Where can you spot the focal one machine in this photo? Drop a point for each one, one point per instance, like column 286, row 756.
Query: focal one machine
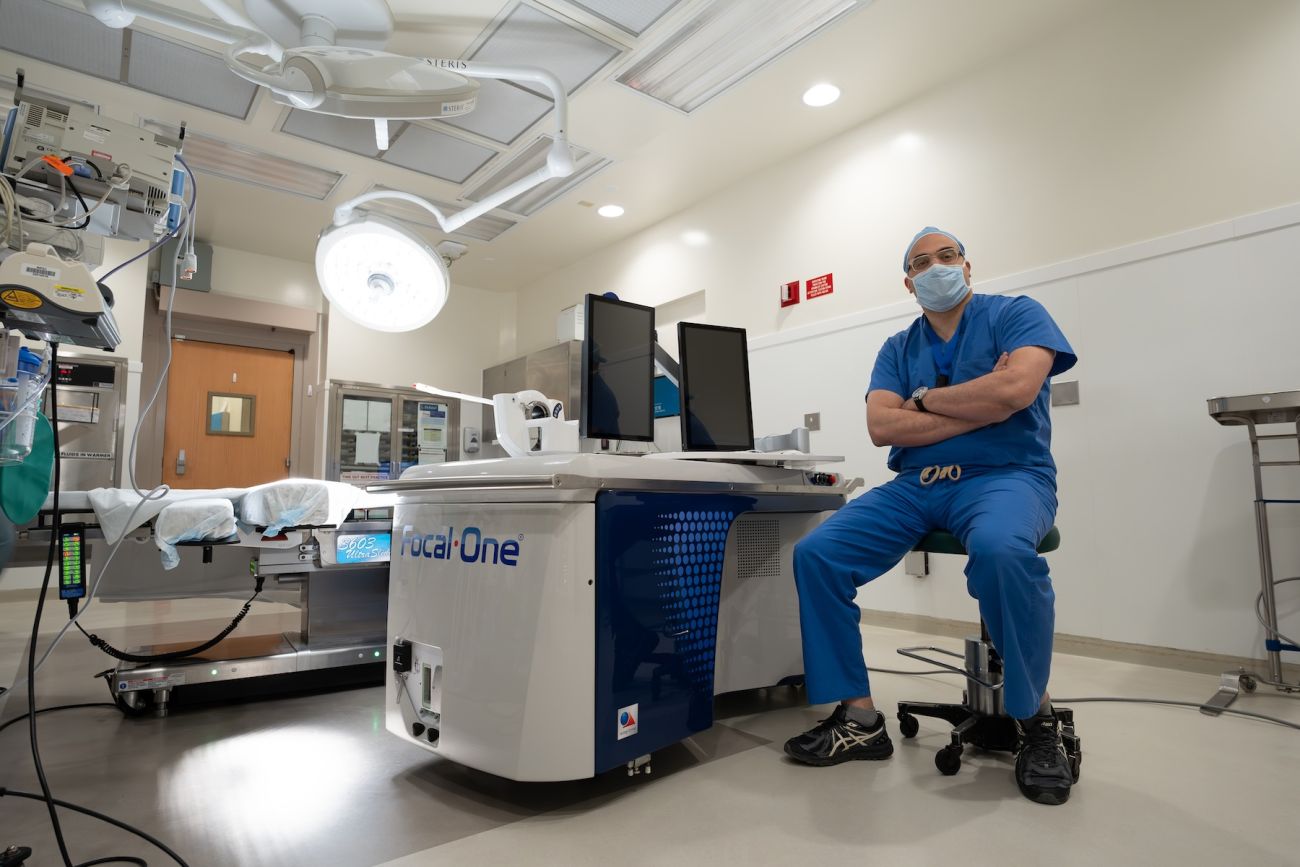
column 553, row 617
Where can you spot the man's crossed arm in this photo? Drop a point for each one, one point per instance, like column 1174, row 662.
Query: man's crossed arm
column 1012, row 385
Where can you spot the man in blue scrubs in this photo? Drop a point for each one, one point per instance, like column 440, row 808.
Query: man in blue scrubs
column 961, row 397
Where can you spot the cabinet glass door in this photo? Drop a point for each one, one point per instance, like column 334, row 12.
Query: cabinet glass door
column 424, row 432
column 366, row 439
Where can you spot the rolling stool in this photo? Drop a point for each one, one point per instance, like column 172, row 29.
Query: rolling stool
column 981, row 719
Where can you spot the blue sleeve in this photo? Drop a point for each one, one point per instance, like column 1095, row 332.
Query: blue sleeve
column 887, row 374
column 1025, row 322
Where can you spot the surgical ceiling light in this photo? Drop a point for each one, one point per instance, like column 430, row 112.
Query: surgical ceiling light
column 378, row 273
column 820, row 95
column 610, row 211
column 381, row 275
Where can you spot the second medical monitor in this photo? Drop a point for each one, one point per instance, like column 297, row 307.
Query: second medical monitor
column 717, row 414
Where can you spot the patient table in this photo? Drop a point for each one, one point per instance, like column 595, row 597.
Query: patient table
column 333, row 567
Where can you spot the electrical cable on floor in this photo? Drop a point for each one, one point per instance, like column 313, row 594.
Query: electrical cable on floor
column 4, row 725
column 46, row 794
column 67, row 805
column 112, row 651
column 1123, row 699
column 1198, row 705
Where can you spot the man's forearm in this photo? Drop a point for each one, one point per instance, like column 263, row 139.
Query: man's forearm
column 987, row 400
column 909, row 428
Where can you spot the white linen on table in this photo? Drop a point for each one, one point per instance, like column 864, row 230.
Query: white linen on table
column 113, row 507
column 297, row 503
column 208, row 519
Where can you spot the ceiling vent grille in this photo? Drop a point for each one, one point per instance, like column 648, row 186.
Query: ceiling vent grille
column 725, row 44
column 237, row 162
column 528, row 161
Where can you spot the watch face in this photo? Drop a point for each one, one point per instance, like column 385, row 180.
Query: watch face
column 920, row 392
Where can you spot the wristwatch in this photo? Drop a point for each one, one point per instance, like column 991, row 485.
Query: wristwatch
column 917, row 395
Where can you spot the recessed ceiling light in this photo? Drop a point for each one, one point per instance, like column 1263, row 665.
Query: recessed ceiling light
column 695, row 238
column 821, row 94
column 610, row 211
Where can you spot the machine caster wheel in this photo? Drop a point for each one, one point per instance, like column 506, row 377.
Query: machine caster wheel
column 908, row 725
column 948, row 760
column 1248, row 683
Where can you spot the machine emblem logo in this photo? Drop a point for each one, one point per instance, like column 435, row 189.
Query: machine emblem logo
column 470, row 545
column 627, row 720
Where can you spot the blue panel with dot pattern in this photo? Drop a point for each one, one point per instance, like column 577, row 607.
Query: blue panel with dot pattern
column 659, row 564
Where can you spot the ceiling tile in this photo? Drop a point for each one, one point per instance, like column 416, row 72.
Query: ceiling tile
column 65, row 37
column 189, row 75
column 530, row 37
column 633, row 16
column 435, row 153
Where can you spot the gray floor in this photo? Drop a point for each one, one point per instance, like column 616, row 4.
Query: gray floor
column 315, row 780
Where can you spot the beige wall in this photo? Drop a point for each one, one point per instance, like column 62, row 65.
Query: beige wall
column 1152, row 118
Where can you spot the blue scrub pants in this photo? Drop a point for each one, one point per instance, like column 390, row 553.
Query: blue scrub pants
column 1000, row 516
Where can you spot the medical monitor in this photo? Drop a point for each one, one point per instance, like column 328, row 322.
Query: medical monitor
column 716, row 411
column 618, row 357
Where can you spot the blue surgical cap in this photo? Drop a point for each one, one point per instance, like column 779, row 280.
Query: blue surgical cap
column 930, row 230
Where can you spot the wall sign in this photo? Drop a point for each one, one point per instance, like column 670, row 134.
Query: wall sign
column 819, row 286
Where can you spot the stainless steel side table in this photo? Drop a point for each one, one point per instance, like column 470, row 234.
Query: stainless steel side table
column 1254, row 411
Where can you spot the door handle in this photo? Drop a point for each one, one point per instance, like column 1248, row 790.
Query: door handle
column 180, row 463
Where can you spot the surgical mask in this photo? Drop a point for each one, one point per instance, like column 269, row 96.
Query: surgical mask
column 941, row 287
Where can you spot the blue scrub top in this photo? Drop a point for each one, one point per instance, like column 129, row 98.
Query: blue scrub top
column 990, row 325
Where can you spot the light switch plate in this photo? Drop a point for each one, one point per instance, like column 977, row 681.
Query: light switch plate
column 812, row 420
column 1065, row 393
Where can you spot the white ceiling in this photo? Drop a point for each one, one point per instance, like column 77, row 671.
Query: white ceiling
column 662, row 161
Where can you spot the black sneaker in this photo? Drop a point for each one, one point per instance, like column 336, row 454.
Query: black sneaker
column 1042, row 768
column 839, row 739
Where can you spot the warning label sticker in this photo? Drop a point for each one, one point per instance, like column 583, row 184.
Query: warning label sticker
column 69, row 293
column 21, row 299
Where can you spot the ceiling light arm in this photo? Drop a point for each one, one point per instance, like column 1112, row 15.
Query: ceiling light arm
column 559, row 159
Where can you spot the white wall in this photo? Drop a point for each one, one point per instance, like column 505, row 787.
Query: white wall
column 265, row 278
column 1151, row 118
column 1156, row 498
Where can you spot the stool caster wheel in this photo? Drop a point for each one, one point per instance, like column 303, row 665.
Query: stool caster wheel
column 1248, row 683
column 908, row 725
column 948, row 760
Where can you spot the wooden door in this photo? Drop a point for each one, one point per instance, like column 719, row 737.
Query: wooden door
column 230, row 409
